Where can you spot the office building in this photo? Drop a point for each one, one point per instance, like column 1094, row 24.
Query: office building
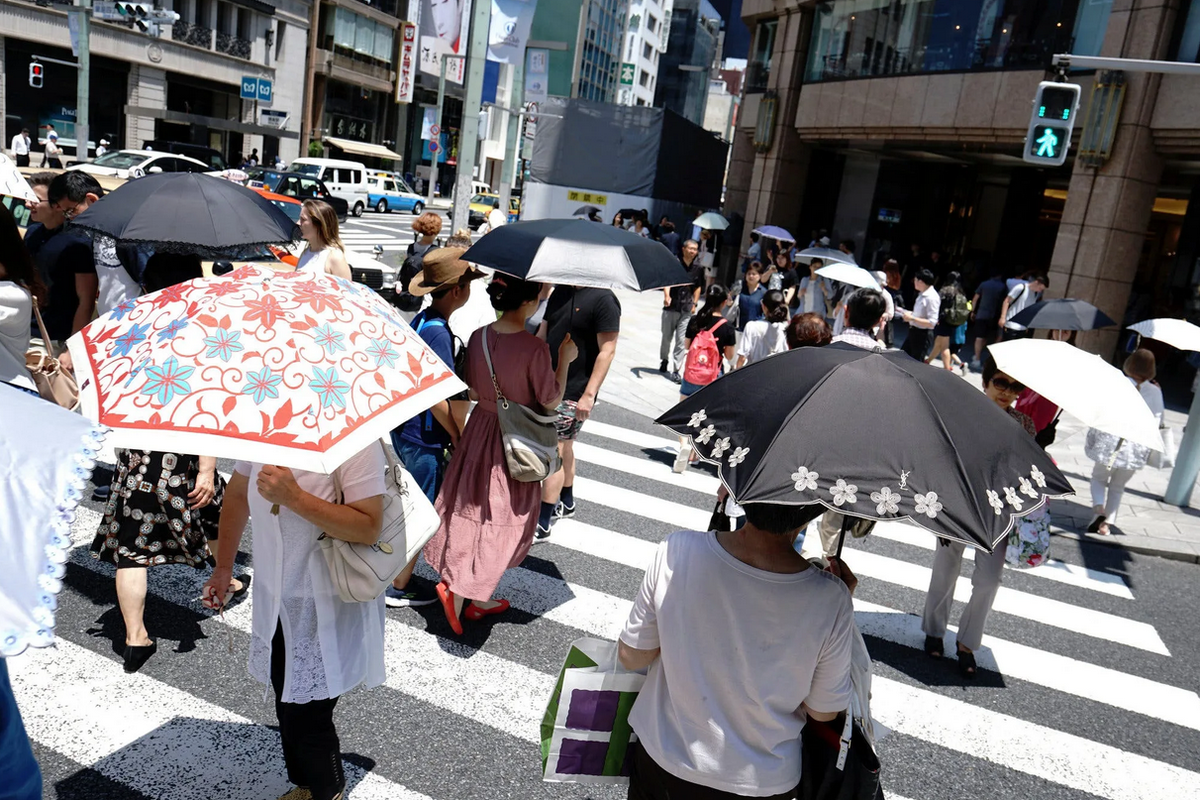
column 693, row 50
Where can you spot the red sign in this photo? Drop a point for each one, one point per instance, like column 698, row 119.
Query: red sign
column 407, row 63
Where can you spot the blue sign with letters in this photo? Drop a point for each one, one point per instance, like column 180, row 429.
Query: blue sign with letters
column 254, row 88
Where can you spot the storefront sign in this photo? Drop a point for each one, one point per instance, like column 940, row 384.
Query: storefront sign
column 255, row 88
column 587, row 197
column 627, row 73
column 537, row 71
column 407, row 72
column 509, row 29
column 345, row 127
column 270, row 118
column 891, row 215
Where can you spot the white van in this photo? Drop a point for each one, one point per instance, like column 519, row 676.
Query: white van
column 344, row 179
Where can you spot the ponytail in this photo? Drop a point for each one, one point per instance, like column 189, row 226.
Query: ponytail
column 713, row 299
column 774, row 306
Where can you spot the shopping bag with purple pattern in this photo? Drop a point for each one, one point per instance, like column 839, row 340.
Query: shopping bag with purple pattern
column 585, row 732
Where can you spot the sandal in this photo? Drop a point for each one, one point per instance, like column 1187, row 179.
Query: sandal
column 1094, row 526
column 1103, row 529
column 447, row 597
column 966, row 664
column 934, row 646
column 474, row 613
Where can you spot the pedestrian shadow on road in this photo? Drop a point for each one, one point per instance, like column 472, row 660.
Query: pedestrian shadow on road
column 928, row 671
column 189, row 758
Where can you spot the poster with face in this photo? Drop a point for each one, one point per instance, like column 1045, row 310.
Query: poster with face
column 444, row 26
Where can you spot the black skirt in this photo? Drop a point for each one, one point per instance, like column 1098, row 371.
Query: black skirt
column 147, row 520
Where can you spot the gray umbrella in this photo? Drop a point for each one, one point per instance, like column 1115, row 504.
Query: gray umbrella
column 826, row 254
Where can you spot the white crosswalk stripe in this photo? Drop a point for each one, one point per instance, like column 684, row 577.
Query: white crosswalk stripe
column 154, row 747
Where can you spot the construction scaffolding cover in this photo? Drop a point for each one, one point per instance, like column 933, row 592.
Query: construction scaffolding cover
column 633, row 150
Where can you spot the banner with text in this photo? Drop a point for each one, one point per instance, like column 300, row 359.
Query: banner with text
column 509, row 29
column 537, row 75
column 444, row 27
column 407, row 71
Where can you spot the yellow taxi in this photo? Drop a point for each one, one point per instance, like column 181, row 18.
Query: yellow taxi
column 481, row 206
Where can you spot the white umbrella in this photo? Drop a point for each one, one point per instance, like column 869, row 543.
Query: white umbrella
column 46, row 456
column 711, row 221
column 1082, row 384
column 826, row 254
column 1175, row 332
column 12, row 182
column 848, row 273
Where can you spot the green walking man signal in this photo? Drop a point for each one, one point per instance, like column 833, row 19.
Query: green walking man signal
column 1048, row 137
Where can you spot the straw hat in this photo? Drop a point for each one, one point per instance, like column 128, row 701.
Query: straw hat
column 441, row 269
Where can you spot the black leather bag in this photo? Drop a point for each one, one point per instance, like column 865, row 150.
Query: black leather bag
column 719, row 520
column 838, row 767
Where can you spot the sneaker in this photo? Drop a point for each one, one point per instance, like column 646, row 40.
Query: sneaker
column 563, row 511
column 408, row 597
column 662, row 366
column 976, row 366
column 101, row 494
column 541, row 534
column 675, row 378
column 682, row 459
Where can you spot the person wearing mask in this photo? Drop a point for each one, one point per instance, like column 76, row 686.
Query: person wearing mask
column 1003, row 390
column 711, row 722
column 985, row 314
column 163, row 508
column 749, row 300
column 669, row 237
column 924, row 316
column 305, row 643
column 1116, row 460
column 20, row 288
column 66, row 264
column 488, row 518
column 325, row 254
column 767, row 335
column 21, row 147
column 703, row 365
column 591, row 318
column 1019, row 298
column 421, row 442
column 678, row 302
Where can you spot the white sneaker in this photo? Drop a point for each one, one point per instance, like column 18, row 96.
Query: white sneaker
column 682, row 459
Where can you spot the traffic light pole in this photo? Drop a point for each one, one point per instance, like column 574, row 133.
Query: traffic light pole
column 435, row 155
column 468, row 136
column 83, row 79
column 512, row 139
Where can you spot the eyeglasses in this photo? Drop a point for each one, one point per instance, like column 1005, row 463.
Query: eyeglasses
column 1008, row 385
column 72, row 212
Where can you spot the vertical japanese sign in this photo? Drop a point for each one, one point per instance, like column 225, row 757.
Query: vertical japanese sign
column 408, row 63
column 509, row 29
column 444, row 28
column 537, row 74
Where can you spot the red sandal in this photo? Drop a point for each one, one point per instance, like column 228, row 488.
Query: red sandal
column 475, row 613
column 447, row 597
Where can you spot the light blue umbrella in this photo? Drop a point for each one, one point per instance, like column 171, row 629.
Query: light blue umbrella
column 775, row 232
column 711, row 221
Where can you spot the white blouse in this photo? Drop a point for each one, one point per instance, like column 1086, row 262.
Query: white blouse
column 314, row 262
column 332, row 646
column 16, row 311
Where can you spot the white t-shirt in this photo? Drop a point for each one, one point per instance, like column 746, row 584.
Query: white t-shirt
column 116, row 286
column 721, row 705
column 496, row 219
column 16, row 310
column 332, row 646
column 1019, row 298
column 761, row 339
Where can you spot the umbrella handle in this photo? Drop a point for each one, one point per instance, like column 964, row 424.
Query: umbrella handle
column 846, row 523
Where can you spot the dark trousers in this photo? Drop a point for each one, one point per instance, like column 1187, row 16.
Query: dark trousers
column 649, row 781
column 311, row 750
column 23, row 161
column 918, row 341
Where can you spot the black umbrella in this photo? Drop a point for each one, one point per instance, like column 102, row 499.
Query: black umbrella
column 577, row 252
column 1063, row 315
column 189, row 213
column 874, row 435
column 585, row 211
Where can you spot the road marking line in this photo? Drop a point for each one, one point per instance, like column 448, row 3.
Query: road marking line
column 628, row 436
column 82, row 705
column 647, row 468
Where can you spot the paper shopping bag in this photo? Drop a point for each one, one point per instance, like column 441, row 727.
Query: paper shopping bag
column 585, row 730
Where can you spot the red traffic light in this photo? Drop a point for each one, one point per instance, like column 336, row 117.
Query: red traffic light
column 36, row 73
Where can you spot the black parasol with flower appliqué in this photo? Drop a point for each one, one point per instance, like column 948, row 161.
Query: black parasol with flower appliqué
column 876, row 435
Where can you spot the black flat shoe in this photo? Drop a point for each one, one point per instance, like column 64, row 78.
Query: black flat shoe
column 245, row 579
column 136, row 657
column 1096, row 523
column 966, row 664
column 934, row 646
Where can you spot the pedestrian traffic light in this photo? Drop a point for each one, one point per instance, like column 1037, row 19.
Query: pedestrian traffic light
column 1049, row 135
column 135, row 13
column 35, row 74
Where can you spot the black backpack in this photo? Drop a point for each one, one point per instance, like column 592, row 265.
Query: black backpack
column 413, row 264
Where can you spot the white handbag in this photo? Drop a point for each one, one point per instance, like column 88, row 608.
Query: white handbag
column 361, row 572
column 1166, row 458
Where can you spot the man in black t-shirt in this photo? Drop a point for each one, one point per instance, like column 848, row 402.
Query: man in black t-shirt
column 678, row 302
column 593, row 318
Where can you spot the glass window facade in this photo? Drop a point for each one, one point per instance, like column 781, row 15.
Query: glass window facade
column 1189, row 32
column 361, row 35
column 865, row 38
column 758, row 70
column 601, row 56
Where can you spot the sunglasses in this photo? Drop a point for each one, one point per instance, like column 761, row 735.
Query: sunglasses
column 1007, row 385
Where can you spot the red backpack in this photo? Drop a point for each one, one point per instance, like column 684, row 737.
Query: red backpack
column 704, row 358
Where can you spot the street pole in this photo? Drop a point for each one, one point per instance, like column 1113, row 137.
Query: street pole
column 83, row 78
column 468, row 136
column 512, row 144
column 1187, row 460
column 433, row 165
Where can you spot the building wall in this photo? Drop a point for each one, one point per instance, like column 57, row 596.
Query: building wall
column 558, row 21
column 646, row 27
column 687, row 64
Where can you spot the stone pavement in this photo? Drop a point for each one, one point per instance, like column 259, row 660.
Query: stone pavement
column 1146, row 524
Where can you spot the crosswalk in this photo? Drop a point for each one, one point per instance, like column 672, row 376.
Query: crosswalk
column 392, row 231
column 1079, row 695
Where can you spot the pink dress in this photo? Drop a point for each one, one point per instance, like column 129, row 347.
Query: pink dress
column 488, row 519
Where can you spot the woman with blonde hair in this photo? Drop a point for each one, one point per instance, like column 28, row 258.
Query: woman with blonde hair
column 325, row 254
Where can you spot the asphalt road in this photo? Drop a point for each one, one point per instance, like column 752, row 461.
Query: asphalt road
column 1088, row 687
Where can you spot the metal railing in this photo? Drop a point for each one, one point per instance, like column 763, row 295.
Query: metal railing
column 233, row 45
column 193, row 34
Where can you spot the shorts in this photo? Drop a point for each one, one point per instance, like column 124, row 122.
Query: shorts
column 567, row 425
column 944, row 329
column 985, row 329
column 688, row 389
